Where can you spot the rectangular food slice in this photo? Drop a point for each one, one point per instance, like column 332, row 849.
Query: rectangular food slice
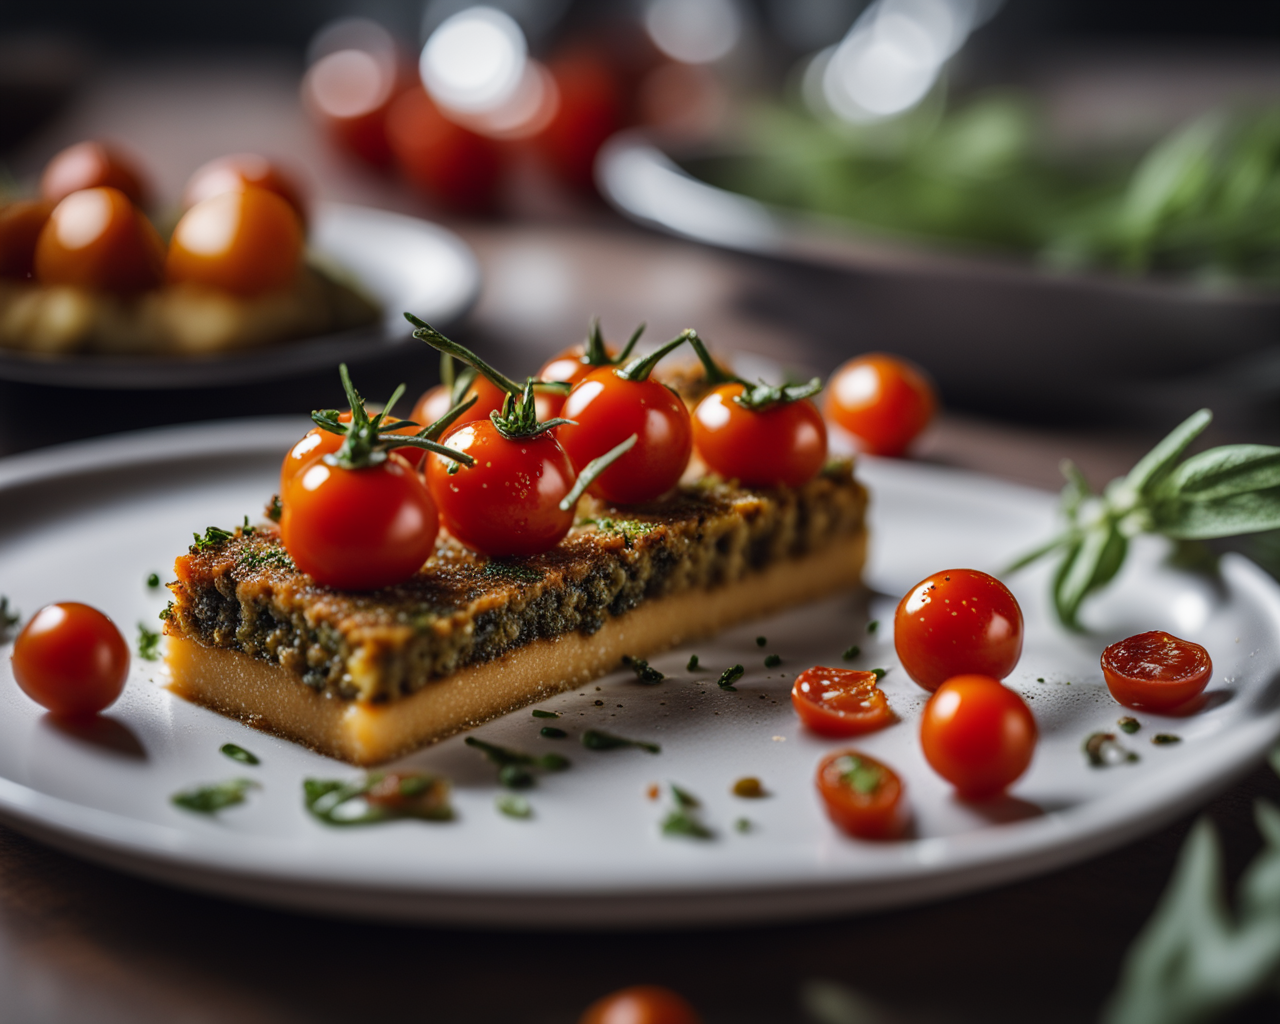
column 366, row 677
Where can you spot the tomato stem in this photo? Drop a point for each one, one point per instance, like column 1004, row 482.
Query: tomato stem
column 425, row 332
column 593, row 469
column 715, row 373
column 640, row 368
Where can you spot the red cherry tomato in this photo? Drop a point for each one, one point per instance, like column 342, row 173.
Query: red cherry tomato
column 238, row 171
column 978, row 735
column 641, row 1004
column 92, row 165
column 783, row 444
column 349, row 92
column 450, row 163
column 1156, row 671
column 71, row 659
column 883, row 401
column 606, row 410
column 246, row 242
column 20, row 226
column 840, row 701
column 567, row 367
column 863, row 797
column 508, row 503
column 955, row 622
column 435, row 402
column 358, row 529
column 318, row 442
column 97, row 238
column 589, row 111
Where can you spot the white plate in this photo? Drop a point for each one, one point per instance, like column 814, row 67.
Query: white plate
column 90, row 521
column 404, row 263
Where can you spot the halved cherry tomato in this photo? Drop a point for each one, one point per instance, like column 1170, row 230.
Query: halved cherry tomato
column 508, row 503
column 318, row 442
column 349, row 92
column 863, row 797
column 358, row 529
column 607, row 409
column 1156, row 671
column 883, row 401
column 71, row 659
column 452, row 164
column 20, row 225
column 978, row 735
column 641, row 1004
column 955, row 622
column 435, row 402
column 92, row 165
column 97, row 238
column 246, row 242
column 785, row 443
column 238, row 171
column 840, row 701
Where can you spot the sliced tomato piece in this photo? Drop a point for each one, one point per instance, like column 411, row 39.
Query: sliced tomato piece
column 864, row 798
column 1156, row 671
column 841, row 701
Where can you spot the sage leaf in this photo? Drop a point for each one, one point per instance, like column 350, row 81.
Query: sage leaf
column 1096, row 561
column 1230, row 516
column 1158, row 463
column 1224, row 472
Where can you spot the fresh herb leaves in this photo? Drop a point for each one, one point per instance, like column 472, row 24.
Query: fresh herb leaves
column 772, row 661
column 237, row 753
column 851, row 652
column 148, row 644
column 1128, row 725
column 266, row 558
column 214, row 536
column 685, row 817
column 598, row 739
column 645, row 672
column 730, row 676
column 515, row 766
column 539, row 713
column 552, row 732
column 378, row 797
column 213, row 798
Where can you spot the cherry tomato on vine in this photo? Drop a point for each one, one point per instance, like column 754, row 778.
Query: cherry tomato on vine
column 784, row 443
column 435, row 402
column 71, row 659
column 246, row 242
column 840, row 701
column 641, row 1004
column 883, row 401
column 452, row 164
column 508, row 503
column 978, row 735
column 238, row 171
column 20, row 225
column 318, row 442
column 358, row 529
column 569, row 367
column 92, row 165
column 97, row 238
column 864, row 798
column 955, row 622
column 1156, row 671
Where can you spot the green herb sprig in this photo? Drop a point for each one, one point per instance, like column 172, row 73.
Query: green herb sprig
column 685, row 817
column 148, row 644
column 1222, row 492
column 598, row 739
column 514, row 765
column 238, row 753
column 215, row 797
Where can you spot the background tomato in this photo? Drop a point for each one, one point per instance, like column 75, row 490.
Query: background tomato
column 459, row 168
column 955, row 622
column 840, row 701
column 589, row 111
column 20, row 225
column 883, row 401
column 349, row 93
column 71, row 659
column 1156, row 671
column 436, row 401
column 238, row 171
column 246, row 242
column 864, row 798
column 641, row 1004
column 978, row 735
column 785, row 443
column 92, row 165
column 97, row 238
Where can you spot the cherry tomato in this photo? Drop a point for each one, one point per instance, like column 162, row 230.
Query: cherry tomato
column 589, row 111
column 606, row 410
column 508, row 503
column 238, row 171
column 864, row 797
column 978, row 735
column 349, row 92
column 569, row 367
column 450, row 163
column 955, row 622
column 783, row 444
column 1156, row 671
column 20, row 225
column 358, row 529
column 883, row 401
column 435, row 402
column 92, row 165
column 641, row 1004
column 318, row 442
column 840, row 701
column 97, row 238
column 71, row 659
column 246, row 242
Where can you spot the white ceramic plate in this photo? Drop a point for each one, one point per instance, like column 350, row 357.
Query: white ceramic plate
column 90, row 521
column 404, row 263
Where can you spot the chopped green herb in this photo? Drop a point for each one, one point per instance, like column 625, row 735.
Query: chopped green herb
column 598, row 739
column 514, row 765
column 378, row 797
column 880, row 673
column 1040, row 679
column 873, row 625
column 761, row 641
column 851, row 652
column 266, row 558
column 513, row 805
column 275, row 510
column 627, row 529
column 153, row 580
column 238, row 754
column 1103, row 750
column 773, row 661
column 213, row 537
column 693, row 665
column 645, row 672
column 1129, row 725
column 516, row 776
column 684, row 798
column 743, row 825
column 213, row 798
column 8, row 619
column 512, row 571
column 860, row 775
column 552, row 733
column 749, row 787
column 1163, row 739
column 148, row 644
column 539, row 713
column 730, row 676
column 684, row 819
column 166, row 612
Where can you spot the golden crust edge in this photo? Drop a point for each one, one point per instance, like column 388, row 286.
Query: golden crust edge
column 268, row 697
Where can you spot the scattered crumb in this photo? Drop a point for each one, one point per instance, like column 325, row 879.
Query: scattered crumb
column 779, row 739
column 653, row 791
column 598, row 703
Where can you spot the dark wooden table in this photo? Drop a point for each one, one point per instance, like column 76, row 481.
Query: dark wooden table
column 83, row 943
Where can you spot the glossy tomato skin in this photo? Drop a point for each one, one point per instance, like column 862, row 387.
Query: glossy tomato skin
column 508, row 503
column 978, row 735
column 883, row 401
column 358, row 529
column 641, row 1004
column 93, row 165
column 840, row 702
column 606, row 410
column 435, row 402
column 71, row 659
column 247, row 243
column 97, row 238
column 863, row 797
column 784, row 444
column 238, row 171
column 1156, row 671
column 20, row 225
column 455, row 166
column 567, row 367
column 954, row 622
